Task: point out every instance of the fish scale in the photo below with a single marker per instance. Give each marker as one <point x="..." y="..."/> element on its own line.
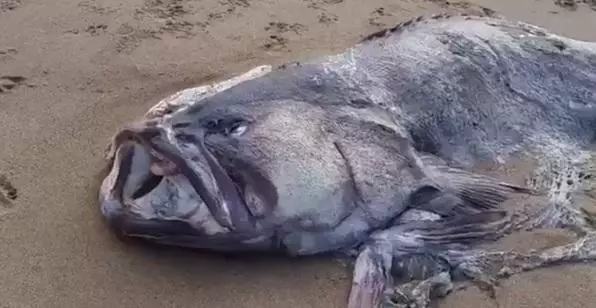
<point x="399" y="152"/>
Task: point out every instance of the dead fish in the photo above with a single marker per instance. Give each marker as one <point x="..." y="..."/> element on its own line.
<point x="373" y="153"/>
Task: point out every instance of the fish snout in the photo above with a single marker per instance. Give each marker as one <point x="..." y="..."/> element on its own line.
<point x="138" y="166"/>
<point x="147" y="134"/>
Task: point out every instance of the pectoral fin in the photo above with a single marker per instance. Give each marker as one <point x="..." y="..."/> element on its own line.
<point x="415" y="249"/>
<point x="450" y="191"/>
<point x="372" y="277"/>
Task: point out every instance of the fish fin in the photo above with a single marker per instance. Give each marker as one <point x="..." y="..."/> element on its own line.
<point x="449" y="191"/>
<point x="372" y="276"/>
<point x="463" y="229"/>
<point x="444" y="232"/>
<point x="413" y="250"/>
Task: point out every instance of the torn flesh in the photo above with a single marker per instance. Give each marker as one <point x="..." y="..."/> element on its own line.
<point x="436" y="251"/>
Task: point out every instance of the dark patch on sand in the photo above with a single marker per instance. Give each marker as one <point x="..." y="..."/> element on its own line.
<point x="8" y="192"/>
<point x="9" y="5"/>
<point x="9" y="82"/>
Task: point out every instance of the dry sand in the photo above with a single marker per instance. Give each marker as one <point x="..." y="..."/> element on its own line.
<point x="75" y="70"/>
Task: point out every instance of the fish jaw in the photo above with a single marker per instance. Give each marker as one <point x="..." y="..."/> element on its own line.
<point x="131" y="207"/>
<point x="150" y="173"/>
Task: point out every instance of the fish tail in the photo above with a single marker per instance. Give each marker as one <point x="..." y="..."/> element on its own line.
<point x="570" y="187"/>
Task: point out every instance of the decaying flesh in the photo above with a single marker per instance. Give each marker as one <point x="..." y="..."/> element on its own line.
<point x="375" y="153"/>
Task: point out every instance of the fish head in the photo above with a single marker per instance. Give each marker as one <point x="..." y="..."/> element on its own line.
<point x="226" y="175"/>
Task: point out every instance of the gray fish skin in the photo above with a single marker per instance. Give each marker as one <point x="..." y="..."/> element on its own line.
<point x="371" y="151"/>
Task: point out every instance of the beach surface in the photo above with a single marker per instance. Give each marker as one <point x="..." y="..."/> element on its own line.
<point x="73" y="71"/>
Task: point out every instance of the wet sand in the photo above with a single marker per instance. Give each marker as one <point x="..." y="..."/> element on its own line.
<point x="72" y="71"/>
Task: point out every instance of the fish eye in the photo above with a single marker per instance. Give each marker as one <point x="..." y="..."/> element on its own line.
<point x="212" y="124"/>
<point x="237" y="129"/>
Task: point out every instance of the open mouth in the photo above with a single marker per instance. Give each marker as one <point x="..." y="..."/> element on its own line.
<point x="144" y="159"/>
<point x="148" y="185"/>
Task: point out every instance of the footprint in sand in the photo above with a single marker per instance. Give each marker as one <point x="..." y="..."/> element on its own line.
<point x="7" y="54"/>
<point x="321" y="4"/>
<point x="8" y="51"/>
<point x="96" y="29"/>
<point x="276" y="42"/>
<point x="8" y="83"/>
<point x="90" y="6"/>
<point x="278" y="30"/>
<point x="573" y="4"/>
<point x="8" y="193"/>
<point x="377" y="15"/>
<point x="327" y="18"/>
<point x="9" y="5"/>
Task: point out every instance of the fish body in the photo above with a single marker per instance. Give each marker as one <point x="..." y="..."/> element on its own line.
<point x="372" y="150"/>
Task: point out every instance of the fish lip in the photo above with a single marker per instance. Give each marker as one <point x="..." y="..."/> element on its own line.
<point x="224" y="201"/>
<point x="173" y="233"/>
<point x="132" y="225"/>
<point x="235" y="206"/>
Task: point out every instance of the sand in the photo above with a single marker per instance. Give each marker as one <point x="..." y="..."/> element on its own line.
<point x="72" y="71"/>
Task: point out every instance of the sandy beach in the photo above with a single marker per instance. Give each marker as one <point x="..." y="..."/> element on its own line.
<point x="73" y="71"/>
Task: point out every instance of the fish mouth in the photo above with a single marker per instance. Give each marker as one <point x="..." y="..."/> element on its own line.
<point x="144" y="157"/>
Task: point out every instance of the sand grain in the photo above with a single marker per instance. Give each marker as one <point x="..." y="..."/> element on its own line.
<point x="72" y="71"/>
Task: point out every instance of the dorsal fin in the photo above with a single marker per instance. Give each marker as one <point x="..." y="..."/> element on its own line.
<point x="417" y="20"/>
